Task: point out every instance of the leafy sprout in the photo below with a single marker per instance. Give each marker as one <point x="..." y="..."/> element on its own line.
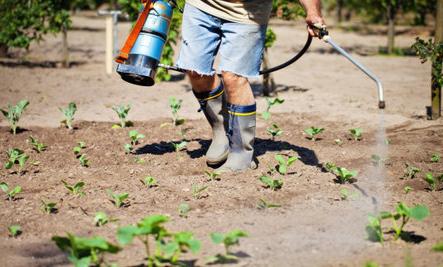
<point x="270" y="103"/>
<point x="149" y="181"/>
<point x="122" y="113"/>
<point x="435" y="158"/>
<point x="118" y="199"/>
<point x="263" y="204"/>
<point x="376" y="160"/>
<point x="338" y="141"/>
<point x="101" y="218"/>
<point x="16" y="156"/>
<point x="374" y="229"/>
<point x="410" y="171"/>
<point x="179" y="146"/>
<point x="49" y="207"/>
<point x="283" y="164"/>
<point x="84" y="162"/>
<point x="135" y="137"/>
<point x="175" y="106"/>
<point x="407" y="189"/>
<point x="432" y="181"/>
<point x="36" y="144"/>
<point x="313" y="132"/>
<point x="438" y="247"/>
<point x="183" y="210"/>
<point x="274" y="131"/>
<point x="11" y="194"/>
<point x="78" y="148"/>
<point x="356" y="133"/>
<point x="273" y="184"/>
<point x="330" y="167"/>
<point x="345" y="194"/>
<point x="228" y="240"/>
<point x="14" y="230"/>
<point x="344" y="175"/>
<point x="68" y="114"/>
<point x="198" y="191"/>
<point x="75" y="189"/>
<point x="213" y="175"/>
<point x="13" y="114"/>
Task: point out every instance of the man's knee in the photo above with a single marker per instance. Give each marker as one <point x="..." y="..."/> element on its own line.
<point x="201" y="82"/>
<point x="233" y="81"/>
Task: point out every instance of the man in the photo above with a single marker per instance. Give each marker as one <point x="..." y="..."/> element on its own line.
<point x="236" y="31"/>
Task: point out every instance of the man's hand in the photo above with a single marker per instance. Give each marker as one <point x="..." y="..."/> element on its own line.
<point x="313" y="11"/>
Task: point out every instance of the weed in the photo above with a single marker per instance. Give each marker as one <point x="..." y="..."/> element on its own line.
<point x="344" y="175"/>
<point x="13" y="114"/>
<point x="198" y="191"/>
<point x="68" y="113"/>
<point x="175" y="106"/>
<point x="270" y="103"/>
<point x="313" y="132"/>
<point x="76" y="189"/>
<point x="228" y="240"/>
<point x="407" y="189"/>
<point x="273" y="184"/>
<point x="283" y="164"/>
<point x="213" y="175"/>
<point x="122" y="113"/>
<point x="183" y="210"/>
<point x="36" y="144"/>
<point x="274" y="131"/>
<point x="83" y="251"/>
<point x="356" y="133"/>
<point x="84" y="162"/>
<point x="149" y="181"/>
<point x="16" y="156"/>
<point x="263" y="204"/>
<point x="410" y="171"/>
<point x="435" y="158"/>
<point x="14" y="230"/>
<point x="179" y="146"/>
<point x="118" y="199"/>
<point x="11" y="194"/>
<point x="48" y="207"/>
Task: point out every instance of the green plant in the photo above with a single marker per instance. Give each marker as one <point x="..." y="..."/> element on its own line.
<point x="198" y="191"/>
<point x="274" y="131"/>
<point x="69" y="113"/>
<point x="407" y="189"/>
<point x="283" y="164"/>
<point x="76" y="189"/>
<point x="435" y="158"/>
<point x="376" y="160"/>
<point x="356" y="133"/>
<point x="213" y="175"/>
<point x="266" y="115"/>
<point x="149" y="181"/>
<point x="371" y="264"/>
<point x="36" y="144"/>
<point x="175" y="106"/>
<point x="122" y="113"/>
<point x="11" y="194"/>
<point x="167" y="246"/>
<point x="84" y="162"/>
<point x="101" y="218"/>
<point x="345" y="194"/>
<point x="179" y="146"/>
<point x="410" y="171"/>
<point x="118" y="199"/>
<point x="263" y="204"/>
<point x="438" y="247"/>
<point x="78" y="148"/>
<point x="135" y="137"/>
<point x="374" y="229"/>
<point x="313" y="132"/>
<point x="344" y="175"/>
<point x="14" y="230"/>
<point x="13" y="113"/>
<point x="330" y="167"/>
<point x="273" y="184"/>
<point x="183" y="210"/>
<point x="433" y="51"/>
<point x="228" y="240"/>
<point x="432" y="181"/>
<point x="16" y="156"/>
<point x="49" y="207"/>
<point x="84" y="251"/>
<point x="338" y="141"/>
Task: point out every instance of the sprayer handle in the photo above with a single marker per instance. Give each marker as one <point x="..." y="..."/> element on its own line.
<point x="320" y="29"/>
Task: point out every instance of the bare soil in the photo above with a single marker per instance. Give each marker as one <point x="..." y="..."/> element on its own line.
<point x="314" y="226"/>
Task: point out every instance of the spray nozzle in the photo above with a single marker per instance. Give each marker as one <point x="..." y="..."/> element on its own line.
<point x="320" y="29"/>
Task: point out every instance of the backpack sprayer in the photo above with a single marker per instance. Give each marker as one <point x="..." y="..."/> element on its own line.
<point x="140" y="56"/>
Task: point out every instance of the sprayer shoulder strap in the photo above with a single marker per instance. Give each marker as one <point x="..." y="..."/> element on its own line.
<point x="130" y="41"/>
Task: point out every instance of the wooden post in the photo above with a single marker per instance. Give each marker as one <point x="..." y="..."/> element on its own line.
<point x="65" y="49"/>
<point x="436" y="87"/>
<point x="268" y="80"/>
<point x="109" y="45"/>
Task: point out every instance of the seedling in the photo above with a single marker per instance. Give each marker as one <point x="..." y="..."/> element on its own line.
<point x="371" y="264"/>
<point x="374" y="230"/>
<point x="149" y="181"/>
<point x="76" y="189"/>
<point x="228" y="240"/>
<point x="16" y="156"/>
<point x="68" y="113"/>
<point x="330" y="167"/>
<point x="410" y="171"/>
<point x="356" y="133"/>
<point x="122" y="113"/>
<point x="274" y="131"/>
<point x="77" y="149"/>
<point x="376" y="160"/>
<point x="13" y="114"/>
<point x="344" y="175"/>
<point x="198" y="191"/>
<point x="407" y="189"/>
<point x="102" y="218"/>
<point x="435" y="158"/>
<point x="438" y="247"/>
<point x="84" y="162"/>
<point x="15" y="230"/>
<point x="49" y="207"/>
<point x="179" y="146"/>
<point x="270" y="103"/>
<point x="84" y="251"/>
<point x="135" y="137"/>
<point x="11" y="194"/>
<point x="175" y="106"/>
<point x="345" y="194"/>
<point x="213" y="175"/>
<point x="313" y="132"/>
<point x="283" y="164"/>
<point x="183" y="210"/>
<point x="128" y="148"/>
<point x="263" y="204"/>
<point x="432" y="181"/>
<point x="118" y="199"/>
<point x="273" y="184"/>
<point x="36" y="144"/>
<point x="338" y="141"/>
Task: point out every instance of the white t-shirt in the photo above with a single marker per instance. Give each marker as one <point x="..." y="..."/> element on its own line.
<point x="247" y="11"/>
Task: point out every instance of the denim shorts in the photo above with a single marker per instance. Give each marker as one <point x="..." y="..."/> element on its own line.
<point x="203" y="36"/>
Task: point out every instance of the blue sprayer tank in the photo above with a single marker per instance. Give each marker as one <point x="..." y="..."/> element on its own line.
<point x="141" y="66"/>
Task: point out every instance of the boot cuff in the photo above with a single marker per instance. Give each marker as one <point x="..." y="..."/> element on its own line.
<point x="239" y="110"/>
<point x="205" y="96"/>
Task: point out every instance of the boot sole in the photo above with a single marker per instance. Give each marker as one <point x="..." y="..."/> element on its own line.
<point x="218" y="161"/>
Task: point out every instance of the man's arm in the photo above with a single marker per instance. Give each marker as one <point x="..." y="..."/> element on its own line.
<point x="313" y="14"/>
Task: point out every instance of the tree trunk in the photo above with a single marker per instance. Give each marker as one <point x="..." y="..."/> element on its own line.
<point x="437" y="66"/>
<point x="65" y="49"/>
<point x="391" y="12"/>
<point x="268" y="80"/>
<point x="3" y="50"/>
<point x="339" y="10"/>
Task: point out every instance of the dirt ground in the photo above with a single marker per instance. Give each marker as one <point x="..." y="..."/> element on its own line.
<point x="314" y="227"/>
